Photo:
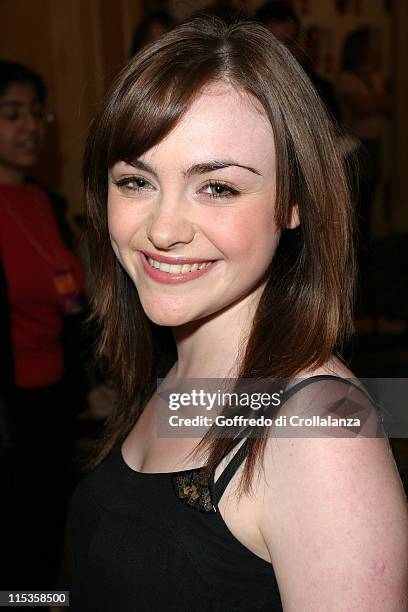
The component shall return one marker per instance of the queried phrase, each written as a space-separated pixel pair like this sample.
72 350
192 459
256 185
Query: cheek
7 136
121 221
114 222
249 236
120 228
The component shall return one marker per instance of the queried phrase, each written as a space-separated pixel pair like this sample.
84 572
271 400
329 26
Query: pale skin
329 514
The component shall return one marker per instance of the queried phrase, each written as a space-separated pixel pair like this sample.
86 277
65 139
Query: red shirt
32 251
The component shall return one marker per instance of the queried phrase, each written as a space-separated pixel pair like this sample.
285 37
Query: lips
172 270
28 146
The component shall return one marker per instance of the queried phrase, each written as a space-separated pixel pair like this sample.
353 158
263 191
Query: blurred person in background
41 309
152 27
228 10
280 19
313 44
364 106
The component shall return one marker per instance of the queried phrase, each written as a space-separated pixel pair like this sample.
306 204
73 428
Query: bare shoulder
333 367
334 519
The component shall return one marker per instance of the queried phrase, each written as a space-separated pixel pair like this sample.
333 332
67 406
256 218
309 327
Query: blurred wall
76 46
335 19
389 20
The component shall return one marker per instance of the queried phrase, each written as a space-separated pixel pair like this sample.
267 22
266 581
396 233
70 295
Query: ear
294 217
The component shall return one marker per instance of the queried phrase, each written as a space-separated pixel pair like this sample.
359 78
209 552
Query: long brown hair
304 314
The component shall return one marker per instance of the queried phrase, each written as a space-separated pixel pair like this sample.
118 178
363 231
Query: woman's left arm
335 522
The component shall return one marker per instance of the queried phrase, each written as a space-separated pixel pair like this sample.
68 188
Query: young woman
219 210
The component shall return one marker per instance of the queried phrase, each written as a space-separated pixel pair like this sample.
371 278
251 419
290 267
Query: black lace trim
193 489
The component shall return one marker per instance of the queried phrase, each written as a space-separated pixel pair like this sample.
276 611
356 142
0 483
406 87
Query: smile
177 268
182 270
28 146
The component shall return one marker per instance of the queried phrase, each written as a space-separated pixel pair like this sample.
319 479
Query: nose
169 226
31 122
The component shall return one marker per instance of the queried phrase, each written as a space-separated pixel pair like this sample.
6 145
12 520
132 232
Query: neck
215 347
11 176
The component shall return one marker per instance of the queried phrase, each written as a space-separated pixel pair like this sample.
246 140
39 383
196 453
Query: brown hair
305 311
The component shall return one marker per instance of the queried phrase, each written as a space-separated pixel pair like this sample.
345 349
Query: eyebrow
200 168
18 104
11 103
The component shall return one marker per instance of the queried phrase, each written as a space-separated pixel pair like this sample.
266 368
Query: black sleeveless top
147 542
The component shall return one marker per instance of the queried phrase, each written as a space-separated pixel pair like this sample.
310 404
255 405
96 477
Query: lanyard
52 259
70 296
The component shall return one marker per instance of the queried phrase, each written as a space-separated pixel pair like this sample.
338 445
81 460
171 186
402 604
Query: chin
27 162
168 320
169 313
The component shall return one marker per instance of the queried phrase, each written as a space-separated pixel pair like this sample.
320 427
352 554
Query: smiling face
21 131
192 220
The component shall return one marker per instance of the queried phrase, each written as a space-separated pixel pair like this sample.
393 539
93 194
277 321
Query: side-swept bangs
157 87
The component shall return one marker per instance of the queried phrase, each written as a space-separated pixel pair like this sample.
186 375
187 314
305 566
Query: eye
133 184
215 189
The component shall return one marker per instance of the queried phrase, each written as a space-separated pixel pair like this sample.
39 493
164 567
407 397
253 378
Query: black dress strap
318 377
225 478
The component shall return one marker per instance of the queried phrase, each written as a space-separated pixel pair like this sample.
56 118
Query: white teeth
152 262
173 269
177 268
